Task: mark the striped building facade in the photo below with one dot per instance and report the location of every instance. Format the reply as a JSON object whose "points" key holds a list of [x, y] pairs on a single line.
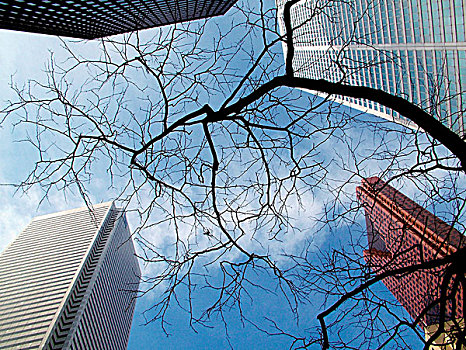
{"points": [[411, 48], [68, 281]]}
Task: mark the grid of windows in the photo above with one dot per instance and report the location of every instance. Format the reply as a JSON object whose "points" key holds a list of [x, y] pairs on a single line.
{"points": [[410, 234], [99, 18], [411, 48]]}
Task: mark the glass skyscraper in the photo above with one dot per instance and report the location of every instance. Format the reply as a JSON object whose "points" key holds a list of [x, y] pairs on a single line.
{"points": [[411, 48], [69, 281]]}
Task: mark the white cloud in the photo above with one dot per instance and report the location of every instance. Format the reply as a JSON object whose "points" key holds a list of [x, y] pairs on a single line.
{"points": [[17, 209], [15, 214]]}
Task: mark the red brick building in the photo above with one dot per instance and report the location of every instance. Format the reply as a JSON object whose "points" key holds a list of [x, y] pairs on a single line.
{"points": [[402, 233]]}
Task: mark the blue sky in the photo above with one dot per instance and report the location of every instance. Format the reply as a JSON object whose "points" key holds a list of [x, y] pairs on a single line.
{"points": [[26, 56]]}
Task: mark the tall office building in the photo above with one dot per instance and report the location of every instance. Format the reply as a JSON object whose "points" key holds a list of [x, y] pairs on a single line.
{"points": [[68, 281], [411, 48], [99, 18], [402, 233]]}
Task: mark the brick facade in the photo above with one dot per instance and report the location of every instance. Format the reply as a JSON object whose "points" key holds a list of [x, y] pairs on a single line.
{"points": [[402, 233]]}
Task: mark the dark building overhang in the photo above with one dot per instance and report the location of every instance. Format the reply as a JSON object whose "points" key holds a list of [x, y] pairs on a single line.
{"points": [[100, 18]]}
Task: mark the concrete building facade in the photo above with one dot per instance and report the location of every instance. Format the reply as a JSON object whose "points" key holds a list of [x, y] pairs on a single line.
{"points": [[69, 281]]}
